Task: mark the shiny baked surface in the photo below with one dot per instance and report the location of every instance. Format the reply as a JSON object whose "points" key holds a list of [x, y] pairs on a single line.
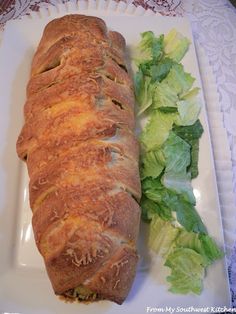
{"points": [[82, 157]]}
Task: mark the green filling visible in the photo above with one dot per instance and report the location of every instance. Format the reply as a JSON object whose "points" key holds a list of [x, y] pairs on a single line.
{"points": [[82, 293]]}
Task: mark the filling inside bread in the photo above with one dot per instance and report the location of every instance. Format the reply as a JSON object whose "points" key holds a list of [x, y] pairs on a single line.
{"points": [[81, 293]]}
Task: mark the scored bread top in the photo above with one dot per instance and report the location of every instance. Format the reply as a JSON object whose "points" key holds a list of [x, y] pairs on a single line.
{"points": [[82, 156]]}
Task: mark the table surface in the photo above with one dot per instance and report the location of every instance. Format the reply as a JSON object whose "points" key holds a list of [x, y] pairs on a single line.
{"points": [[214, 27]]}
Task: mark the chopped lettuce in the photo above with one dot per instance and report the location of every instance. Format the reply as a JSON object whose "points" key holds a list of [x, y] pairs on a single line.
{"points": [[202, 244], [157, 48], [193, 167], [156, 70], [151, 48], [158, 64], [188, 217], [157, 129], [190, 94], [180, 183], [189, 133], [169, 160], [162, 236], [186, 213], [143, 91], [176, 83], [175, 45], [190, 251], [151, 209], [146, 40], [164, 96], [145, 48], [187, 271], [176, 178], [155, 191], [177, 153], [191, 254], [178, 80], [160, 70], [189, 109], [153, 163]]}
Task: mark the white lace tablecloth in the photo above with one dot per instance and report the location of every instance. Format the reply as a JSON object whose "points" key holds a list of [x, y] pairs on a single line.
{"points": [[214, 28]]}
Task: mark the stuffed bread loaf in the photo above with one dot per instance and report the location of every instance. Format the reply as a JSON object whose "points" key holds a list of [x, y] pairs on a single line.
{"points": [[82, 158]]}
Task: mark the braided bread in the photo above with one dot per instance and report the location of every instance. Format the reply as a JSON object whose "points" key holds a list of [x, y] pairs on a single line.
{"points": [[82, 158]]}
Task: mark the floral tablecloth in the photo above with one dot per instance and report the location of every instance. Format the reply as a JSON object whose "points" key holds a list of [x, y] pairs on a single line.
{"points": [[214, 27]]}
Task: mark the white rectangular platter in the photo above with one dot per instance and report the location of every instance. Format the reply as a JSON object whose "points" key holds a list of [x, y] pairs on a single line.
{"points": [[24, 286]]}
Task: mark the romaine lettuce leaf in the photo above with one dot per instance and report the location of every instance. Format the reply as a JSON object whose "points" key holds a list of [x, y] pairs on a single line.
{"points": [[155, 191], [151, 208], [190, 94], [170, 143], [193, 167], [189, 133], [162, 236], [157, 48], [143, 91], [156, 70], [177, 153], [164, 96], [157, 129], [180, 183], [186, 213], [188, 217], [153, 163], [175, 45], [209, 249], [186, 253], [160, 70], [193, 252], [144, 53], [187, 271], [189, 110], [202, 244], [151, 48], [176, 178], [178, 80]]}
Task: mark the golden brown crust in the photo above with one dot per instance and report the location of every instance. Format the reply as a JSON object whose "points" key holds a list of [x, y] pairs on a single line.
{"points": [[115, 278], [82, 157]]}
